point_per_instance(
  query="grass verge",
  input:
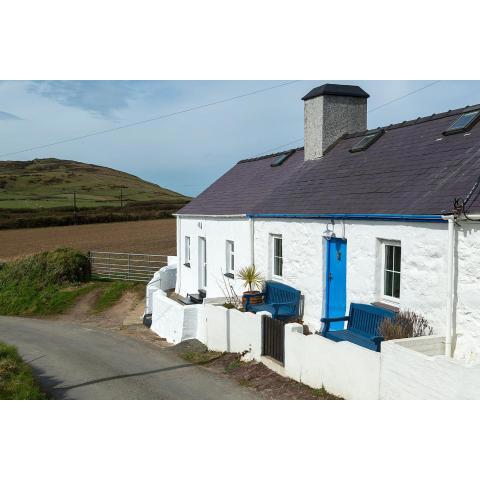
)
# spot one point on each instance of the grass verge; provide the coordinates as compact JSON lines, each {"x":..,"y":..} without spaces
{"x":44,"y":283}
{"x":16,"y":378}
{"x":200,"y":357}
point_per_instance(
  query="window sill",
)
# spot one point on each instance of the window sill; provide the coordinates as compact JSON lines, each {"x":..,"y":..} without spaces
{"x":229,"y":275}
{"x":186,"y":265}
{"x":387,"y":306}
{"x":390,"y":301}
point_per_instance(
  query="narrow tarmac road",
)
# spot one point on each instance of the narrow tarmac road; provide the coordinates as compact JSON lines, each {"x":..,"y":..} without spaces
{"x":77,"y":362}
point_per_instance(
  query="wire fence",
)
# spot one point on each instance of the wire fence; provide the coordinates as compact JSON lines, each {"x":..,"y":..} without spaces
{"x":138,"y":267}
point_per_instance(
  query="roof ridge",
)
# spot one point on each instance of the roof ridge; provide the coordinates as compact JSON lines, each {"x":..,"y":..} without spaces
{"x":274,"y":154}
{"x":408,"y":123}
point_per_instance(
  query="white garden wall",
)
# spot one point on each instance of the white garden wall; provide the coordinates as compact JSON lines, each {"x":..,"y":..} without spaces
{"x":416,"y":369}
{"x":229,"y":330}
{"x":173,"y":321}
{"x":344,"y":369}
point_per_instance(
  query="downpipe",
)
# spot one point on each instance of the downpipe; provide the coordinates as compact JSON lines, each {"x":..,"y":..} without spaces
{"x":450,"y":283}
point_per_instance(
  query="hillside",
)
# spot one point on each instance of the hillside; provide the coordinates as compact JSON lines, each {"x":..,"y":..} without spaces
{"x":49,"y":183}
{"x":47,"y":192}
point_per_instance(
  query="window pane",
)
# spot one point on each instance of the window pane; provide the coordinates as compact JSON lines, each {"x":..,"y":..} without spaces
{"x":388,"y":283}
{"x":398,"y":258}
{"x":232,"y":261}
{"x":396,"y":285}
{"x":464,"y":120}
{"x":388,"y":257}
{"x":278,"y":247}
{"x":280,"y":267}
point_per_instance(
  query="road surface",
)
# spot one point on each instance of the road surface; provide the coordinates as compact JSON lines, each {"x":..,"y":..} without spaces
{"x":78,"y":362}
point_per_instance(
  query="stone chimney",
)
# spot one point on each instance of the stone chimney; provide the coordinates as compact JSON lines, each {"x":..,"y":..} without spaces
{"x":331,"y":111}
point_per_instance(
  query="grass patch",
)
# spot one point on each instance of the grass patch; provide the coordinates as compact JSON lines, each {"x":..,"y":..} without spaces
{"x":112,"y":292}
{"x":16,"y":378}
{"x":233,"y":365}
{"x":201,"y":357}
{"x":44,"y":283}
{"x":323,"y":394}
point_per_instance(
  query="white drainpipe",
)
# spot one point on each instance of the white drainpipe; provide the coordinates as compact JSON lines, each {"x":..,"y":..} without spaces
{"x":450,"y":284}
{"x":252,"y":241}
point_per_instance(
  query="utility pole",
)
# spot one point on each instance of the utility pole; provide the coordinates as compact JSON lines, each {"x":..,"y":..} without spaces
{"x":74,"y":208}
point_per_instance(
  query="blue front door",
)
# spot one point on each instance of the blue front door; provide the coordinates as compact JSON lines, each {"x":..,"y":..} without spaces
{"x":336,"y":280}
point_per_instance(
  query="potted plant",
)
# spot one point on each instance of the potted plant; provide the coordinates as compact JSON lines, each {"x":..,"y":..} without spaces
{"x":253,"y":280}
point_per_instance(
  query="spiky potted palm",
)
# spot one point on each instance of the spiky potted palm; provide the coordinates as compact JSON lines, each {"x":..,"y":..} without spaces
{"x":253,"y":280}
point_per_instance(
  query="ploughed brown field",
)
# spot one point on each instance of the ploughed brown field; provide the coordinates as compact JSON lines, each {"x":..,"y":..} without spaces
{"x":146,"y":236}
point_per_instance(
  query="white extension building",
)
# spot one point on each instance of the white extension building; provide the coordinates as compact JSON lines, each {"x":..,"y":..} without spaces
{"x":384,"y":216}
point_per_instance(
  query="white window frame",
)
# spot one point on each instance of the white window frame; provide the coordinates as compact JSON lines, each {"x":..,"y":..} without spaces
{"x":230,"y":257}
{"x":388,"y":298}
{"x":188,"y":251}
{"x":273,"y":256}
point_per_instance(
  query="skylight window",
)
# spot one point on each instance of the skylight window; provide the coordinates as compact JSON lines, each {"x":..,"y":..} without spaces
{"x":464,"y":123}
{"x":279,"y":160}
{"x":366,"y":141}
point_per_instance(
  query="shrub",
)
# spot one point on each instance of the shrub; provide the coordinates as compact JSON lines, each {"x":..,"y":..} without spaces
{"x":406,"y":324}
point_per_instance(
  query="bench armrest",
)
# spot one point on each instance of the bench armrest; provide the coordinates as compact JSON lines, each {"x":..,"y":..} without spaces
{"x":277,"y":306}
{"x":328,"y":321}
{"x":378,"y":340}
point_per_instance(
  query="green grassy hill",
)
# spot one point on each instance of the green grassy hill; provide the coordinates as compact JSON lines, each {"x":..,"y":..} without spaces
{"x":41,"y":192}
{"x":49,"y":183}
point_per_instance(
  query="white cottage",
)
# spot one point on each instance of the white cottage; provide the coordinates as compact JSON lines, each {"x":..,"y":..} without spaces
{"x":384,"y":216}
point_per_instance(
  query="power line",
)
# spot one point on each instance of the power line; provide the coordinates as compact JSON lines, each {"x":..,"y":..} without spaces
{"x":404,"y":96}
{"x":141,"y":122}
{"x":369,"y":111}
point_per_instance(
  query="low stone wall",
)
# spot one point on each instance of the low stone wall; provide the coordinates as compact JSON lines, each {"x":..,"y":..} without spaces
{"x":343,"y":368}
{"x":233,"y":331}
{"x":413,"y":368}
{"x":416,"y":369}
{"x":173,"y":321}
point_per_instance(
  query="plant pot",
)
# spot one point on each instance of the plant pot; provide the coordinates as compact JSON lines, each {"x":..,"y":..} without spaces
{"x":255,"y":297}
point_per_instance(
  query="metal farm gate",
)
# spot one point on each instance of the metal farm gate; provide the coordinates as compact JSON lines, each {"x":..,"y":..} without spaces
{"x":138,"y":267}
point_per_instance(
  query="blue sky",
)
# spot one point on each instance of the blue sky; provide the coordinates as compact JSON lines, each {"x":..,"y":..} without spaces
{"x":188,"y":151}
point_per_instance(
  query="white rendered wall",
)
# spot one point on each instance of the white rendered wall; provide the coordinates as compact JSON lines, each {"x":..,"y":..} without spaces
{"x":415,"y":369}
{"x":423,"y":277}
{"x":233,"y":331}
{"x":173,"y":321}
{"x":216,"y":231}
{"x":344,"y":369}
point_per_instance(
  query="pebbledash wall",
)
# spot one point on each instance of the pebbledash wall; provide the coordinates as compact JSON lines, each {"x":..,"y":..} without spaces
{"x":423,"y":267}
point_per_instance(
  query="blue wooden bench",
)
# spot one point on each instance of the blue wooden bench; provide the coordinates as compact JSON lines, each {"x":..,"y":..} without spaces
{"x":363,"y":323}
{"x":280,"y":300}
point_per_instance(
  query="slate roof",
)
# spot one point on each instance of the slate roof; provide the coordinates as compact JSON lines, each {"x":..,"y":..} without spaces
{"x":411,"y":169}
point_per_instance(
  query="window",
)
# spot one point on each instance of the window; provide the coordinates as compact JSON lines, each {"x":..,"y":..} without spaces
{"x":279,"y":160}
{"x":187,"y":251}
{"x":230,"y":251}
{"x":391,"y":270}
{"x":277,"y":256}
{"x":366,"y":141}
{"x":464,"y":123}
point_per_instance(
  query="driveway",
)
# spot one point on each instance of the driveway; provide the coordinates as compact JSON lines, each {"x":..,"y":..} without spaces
{"x":77,"y":362}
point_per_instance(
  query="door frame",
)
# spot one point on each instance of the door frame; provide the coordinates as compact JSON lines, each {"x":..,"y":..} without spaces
{"x":202,"y":263}
{"x":328,"y":272}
